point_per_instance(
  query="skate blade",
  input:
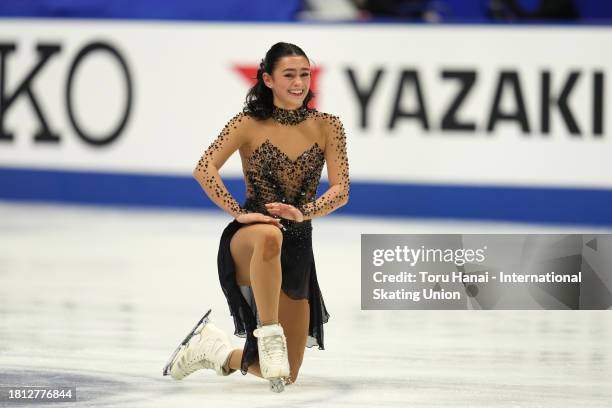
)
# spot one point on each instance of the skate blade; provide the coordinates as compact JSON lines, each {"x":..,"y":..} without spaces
{"x":277,"y":384}
{"x":202,"y":322}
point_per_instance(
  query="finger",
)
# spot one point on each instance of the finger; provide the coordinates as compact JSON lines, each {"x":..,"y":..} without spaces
{"x":277,"y":223}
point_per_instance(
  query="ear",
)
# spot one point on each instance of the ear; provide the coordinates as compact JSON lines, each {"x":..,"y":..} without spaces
{"x":267,"y":78}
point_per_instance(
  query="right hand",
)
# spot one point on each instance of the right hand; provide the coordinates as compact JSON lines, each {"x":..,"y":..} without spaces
{"x":259,"y":217}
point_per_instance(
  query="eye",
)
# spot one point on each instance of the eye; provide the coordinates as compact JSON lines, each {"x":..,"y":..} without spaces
{"x":305,"y":74}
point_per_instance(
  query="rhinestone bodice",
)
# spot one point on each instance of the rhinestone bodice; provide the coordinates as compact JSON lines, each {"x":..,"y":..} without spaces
{"x":282,"y":160}
{"x":272,"y":176}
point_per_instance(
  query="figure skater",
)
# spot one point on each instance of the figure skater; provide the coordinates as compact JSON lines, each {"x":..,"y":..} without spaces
{"x":265,"y":260}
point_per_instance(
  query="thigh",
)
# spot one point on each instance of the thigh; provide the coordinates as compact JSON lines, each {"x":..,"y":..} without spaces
{"x":294,"y":316}
{"x":243,"y":244}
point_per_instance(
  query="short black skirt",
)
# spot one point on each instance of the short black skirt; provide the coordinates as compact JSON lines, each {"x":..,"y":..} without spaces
{"x":299,"y":281}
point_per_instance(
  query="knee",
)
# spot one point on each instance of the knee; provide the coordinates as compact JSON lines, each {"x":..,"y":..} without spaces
{"x":270,"y":241}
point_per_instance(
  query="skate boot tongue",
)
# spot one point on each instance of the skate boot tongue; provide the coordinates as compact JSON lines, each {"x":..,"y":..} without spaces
{"x":269,"y":330}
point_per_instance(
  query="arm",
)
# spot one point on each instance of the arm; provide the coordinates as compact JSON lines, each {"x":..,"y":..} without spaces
{"x":207,"y":170}
{"x":337,"y":172}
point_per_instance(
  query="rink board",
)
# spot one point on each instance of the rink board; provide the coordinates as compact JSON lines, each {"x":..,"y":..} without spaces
{"x":495,"y":203}
{"x":485,"y":122}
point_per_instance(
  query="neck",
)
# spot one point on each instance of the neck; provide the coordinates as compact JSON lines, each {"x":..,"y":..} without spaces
{"x":289,"y":116}
{"x":293,"y":108}
{"x":279,"y":105}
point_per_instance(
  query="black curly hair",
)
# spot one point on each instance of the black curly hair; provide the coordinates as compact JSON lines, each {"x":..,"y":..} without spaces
{"x":259,"y":99}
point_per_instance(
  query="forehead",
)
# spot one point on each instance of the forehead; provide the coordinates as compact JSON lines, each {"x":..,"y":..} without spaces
{"x":297,"y":63}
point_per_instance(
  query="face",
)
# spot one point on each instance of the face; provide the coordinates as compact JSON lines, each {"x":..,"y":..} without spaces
{"x":290,"y":81}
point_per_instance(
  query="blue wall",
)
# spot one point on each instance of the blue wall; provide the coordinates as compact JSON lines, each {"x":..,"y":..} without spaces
{"x":486,"y":203}
{"x":476,"y":9}
{"x":240,"y":10}
{"x":237,"y":10}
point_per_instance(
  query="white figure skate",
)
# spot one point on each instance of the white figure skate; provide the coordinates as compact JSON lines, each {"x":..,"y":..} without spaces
{"x":206,"y":346}
{"x":273,"y":359}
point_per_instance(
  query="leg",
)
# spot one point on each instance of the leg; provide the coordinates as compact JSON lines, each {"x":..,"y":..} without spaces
{"x":235,"y":360}
{"x":256,"y":252}
{"x":294,"y":316}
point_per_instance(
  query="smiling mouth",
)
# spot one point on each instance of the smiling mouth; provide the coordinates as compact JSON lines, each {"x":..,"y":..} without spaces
{"x":297,"y":93}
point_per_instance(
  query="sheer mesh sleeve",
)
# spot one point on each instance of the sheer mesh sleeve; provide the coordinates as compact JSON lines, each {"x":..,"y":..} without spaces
{"x":337,"y":171}
{"x":207,"y":169}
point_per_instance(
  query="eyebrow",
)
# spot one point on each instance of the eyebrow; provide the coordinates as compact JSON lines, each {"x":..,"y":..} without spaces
{"x":293,"y":69}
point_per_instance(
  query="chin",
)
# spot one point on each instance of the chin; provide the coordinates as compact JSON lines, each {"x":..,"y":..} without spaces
{"x":295,"y":105}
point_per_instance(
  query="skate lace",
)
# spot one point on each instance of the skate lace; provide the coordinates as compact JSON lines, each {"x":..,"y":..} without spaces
{"x":273,"y":347}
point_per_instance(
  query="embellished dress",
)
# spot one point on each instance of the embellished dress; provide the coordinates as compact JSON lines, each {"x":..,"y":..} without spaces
{"x":282,"y":160}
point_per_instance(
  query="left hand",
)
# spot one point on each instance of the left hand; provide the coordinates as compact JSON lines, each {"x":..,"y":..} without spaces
{"x":285,"y":211}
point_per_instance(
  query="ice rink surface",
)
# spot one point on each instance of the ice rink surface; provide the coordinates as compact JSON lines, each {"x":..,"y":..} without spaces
{"x":99,"y":298}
